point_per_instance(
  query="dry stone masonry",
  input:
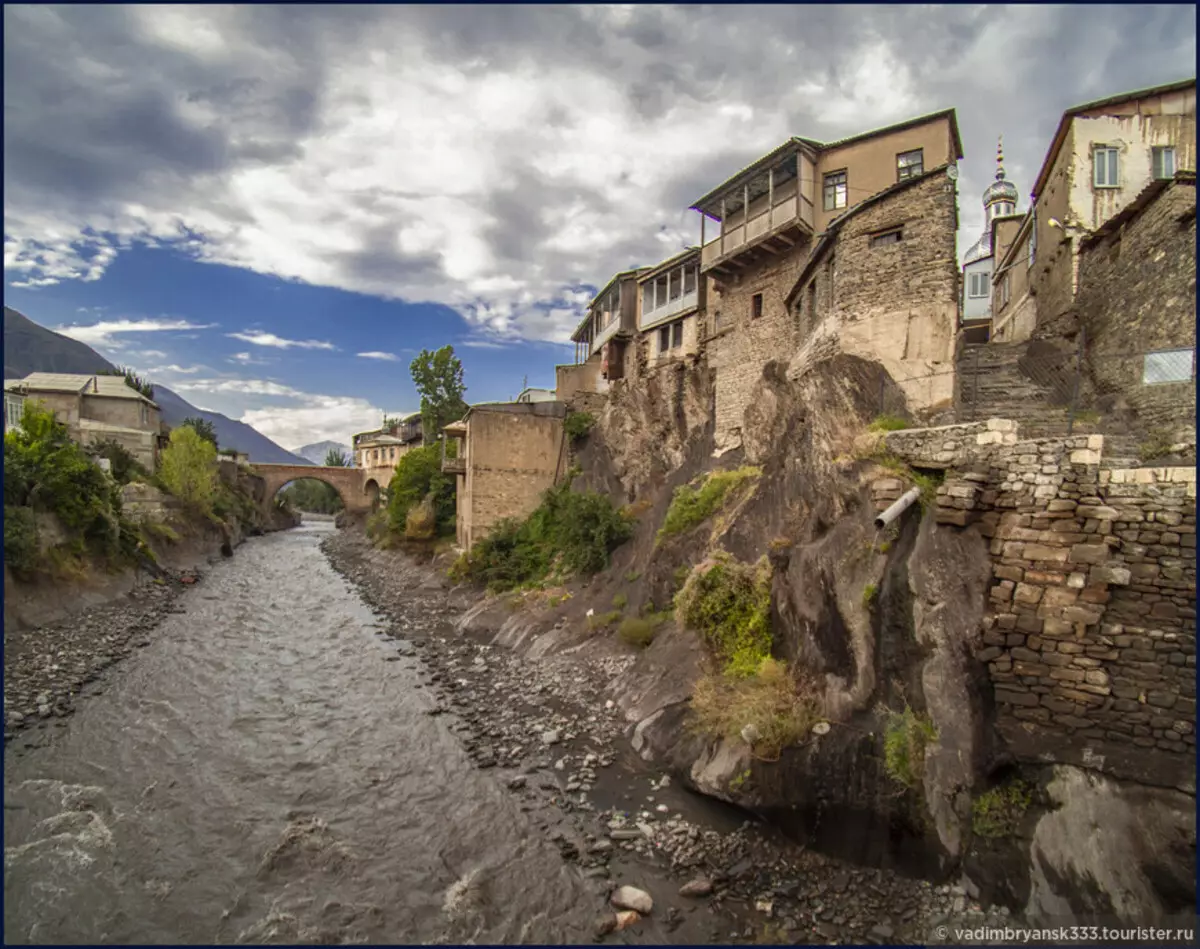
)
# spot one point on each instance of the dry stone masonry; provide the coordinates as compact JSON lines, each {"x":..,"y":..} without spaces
{"x":1090,"y":633}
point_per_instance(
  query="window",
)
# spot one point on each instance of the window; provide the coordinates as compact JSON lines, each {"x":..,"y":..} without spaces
{"x":1163,"y":161}
{"x":647,"y":297}
{"x":756,"y":306}
{"x":1003,"y":291}
{"x":887,"y":237}
{"x":677,"y":335}
{"x":1104,"y":167}
{"x":977,"y":285}
{"x":13,"y":409}
{"x":689,"y":280}
{"x":660,"y":291}
{"x":835,"y":190}
{"x":1172,"y":365}
{"x":910,"y":164}
{"x":144,"y":414}
{"x":676,"y":284}
{"x":664,"y":339}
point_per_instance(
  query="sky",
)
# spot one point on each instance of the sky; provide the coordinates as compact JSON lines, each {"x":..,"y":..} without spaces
{"x":271,"y":209}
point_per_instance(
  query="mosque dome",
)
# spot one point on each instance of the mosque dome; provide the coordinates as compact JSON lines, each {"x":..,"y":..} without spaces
{"x":999,"y":198}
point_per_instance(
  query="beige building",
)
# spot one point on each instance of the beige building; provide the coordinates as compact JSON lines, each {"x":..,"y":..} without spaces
{"x":507,"y":455}
{"x":602,"y":337}
{"x":378,"y":451}
{"x":806,"y":239}
{"x":1103,"y":156}
{"x":670,"y":306}
{"x":95,"y":408}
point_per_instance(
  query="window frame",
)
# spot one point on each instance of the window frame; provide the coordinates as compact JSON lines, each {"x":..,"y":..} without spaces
{"x":664,"y":339}
{"x":881,"y":238}
{"x":982,"y":278}
{"x":904,"y":172}
{"x":1115,"y":153}
{"x":756,"y":305}
{"x":1156,"y":155}
{"x":1168,"y":352}
{"x":677,"y":334}
{"x":844,"y":186}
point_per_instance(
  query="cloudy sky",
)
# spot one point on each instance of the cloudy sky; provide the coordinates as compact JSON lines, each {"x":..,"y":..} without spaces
{"x":269,"y":208}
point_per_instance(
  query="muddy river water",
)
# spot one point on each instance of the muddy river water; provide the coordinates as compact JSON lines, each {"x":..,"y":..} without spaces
{"x":258,"y":774}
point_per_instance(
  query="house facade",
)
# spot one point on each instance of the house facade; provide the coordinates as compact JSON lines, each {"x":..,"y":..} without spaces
{"x":95,"y":408}
{"x":1104,"y":154}
{"x":671,"y":298}
{"x":601,"y":338}
{"x":808,"y":200}
{"x":506,"y":455}
{"x":378,"y":451}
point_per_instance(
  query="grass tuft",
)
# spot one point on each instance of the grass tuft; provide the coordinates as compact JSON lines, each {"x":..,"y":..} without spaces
{"x":693,"y":504}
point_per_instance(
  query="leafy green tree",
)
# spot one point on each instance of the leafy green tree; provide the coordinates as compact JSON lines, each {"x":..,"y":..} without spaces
{"x":438,"y":377}
{"x":336,"y":458}
{"x":202,"y":427}
{"x":418,"y":474}
{"x":189,"y":467}
{"x":132,"y":379}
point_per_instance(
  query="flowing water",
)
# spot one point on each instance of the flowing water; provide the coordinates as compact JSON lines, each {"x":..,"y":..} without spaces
{"x":259,"y":774}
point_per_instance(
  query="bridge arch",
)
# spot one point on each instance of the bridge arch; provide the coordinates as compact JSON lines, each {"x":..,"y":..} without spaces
{"x":347,"y":482}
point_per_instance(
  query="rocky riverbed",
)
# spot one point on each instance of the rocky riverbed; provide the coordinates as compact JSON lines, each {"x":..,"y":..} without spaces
{"x":558,"y":743}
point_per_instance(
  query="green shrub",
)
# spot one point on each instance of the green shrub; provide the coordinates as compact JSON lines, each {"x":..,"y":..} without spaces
{"x":640,"y":631}
{"x":729,"y":604}
{"x":691,"y":505}
{"x":418,"y":475}
{"x":125,"y":467}
{"x":604,"y":620}
{"x":569,"y":533}
{"x":870,"y":594}
{"x":20,"y":540}
{"x":905,"y":738}
{"x":633,"y":576}
{"x":682,"y":572}
{"x":578,"y":424}
{"x":768,"y":699}
{"x":620,"y":601}
{"x":888,"y":423}
{"x":998,"y":812}
{"x":189,"y":468}
{"x":421,"y":523}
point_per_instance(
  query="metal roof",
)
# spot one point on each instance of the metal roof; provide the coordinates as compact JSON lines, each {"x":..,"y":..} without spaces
{"x":109,"y":387}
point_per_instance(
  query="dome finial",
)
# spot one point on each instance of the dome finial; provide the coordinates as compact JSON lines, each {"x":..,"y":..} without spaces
{"x":1000,"y":158}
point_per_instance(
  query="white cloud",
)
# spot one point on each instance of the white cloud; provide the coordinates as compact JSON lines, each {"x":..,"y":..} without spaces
{"x":173,"y":370}
{"x":385,"y":357}
{"x":105,"y":332}
{"x":257,"y":338}
{"x":241,"y":387}
{"x":245,"y":359}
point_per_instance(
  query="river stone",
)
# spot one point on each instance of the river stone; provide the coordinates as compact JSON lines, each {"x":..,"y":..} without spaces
{"x":698,"y":887}
{"x":630,"y":897}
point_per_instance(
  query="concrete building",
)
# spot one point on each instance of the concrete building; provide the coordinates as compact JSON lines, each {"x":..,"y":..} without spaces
{"x":775,"y":217}
{"x":1103,"y":156}
{"x":378,"y":451}
{"x":670,"y":307}
{"x":507,"y":455}
{"x":14,"y":408}
{"x":95,"y":408}
{"x":602,"y":337}
{"x":999,"y":203}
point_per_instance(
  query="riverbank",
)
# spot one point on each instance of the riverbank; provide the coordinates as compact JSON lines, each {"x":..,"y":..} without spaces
{"x":546,"y":725}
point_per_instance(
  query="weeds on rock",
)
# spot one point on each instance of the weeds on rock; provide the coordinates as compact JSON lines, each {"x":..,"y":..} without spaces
{"x":692,"y":504}
{"x":769,"y":701}
{"x":682,"y":572}
{"x":603,"y":620}
{"x":998,"y":812}
{"x":905,"y":739}
{"x":620,"y":601}
{"x":633,"y":576}
{"x":729,"y":603}
{"x":1158,"y":444}
{"x":870,"y":596}
{"x":888,"y":423}
{"x":640,"y":631}
{"x":577,"y":425}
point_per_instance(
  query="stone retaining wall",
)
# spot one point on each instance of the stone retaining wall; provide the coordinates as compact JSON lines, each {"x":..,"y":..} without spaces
{"x":1090,"y":632}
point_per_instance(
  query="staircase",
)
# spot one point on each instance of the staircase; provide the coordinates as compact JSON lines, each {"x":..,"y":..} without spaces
{"x":1000,"y":380}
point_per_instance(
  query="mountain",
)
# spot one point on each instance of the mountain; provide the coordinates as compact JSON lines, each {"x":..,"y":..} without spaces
{"x":32,"y":348}
{"x":317,"y":451}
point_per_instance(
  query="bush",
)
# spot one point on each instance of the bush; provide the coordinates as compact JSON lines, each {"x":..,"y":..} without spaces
{"x":729,"y":603}
{"x":577,"y":424}
{"x":692,"y":505}
{"x":125,"y":467}
{"x":870,"y":595}
{"x":418,"y":475}
{"x":603,"y":620}
{"x":998,"y":812}
{"x":568,"y":534}
{"x":421,"y":523}
{"x":768,"y":699}
{"x":189,"y":468}
{"x":887,"y":423}
{"x":640,"y":631}
{"x":620,"y":601}
{"x":904,"y":742}
{"x":20,"y":540}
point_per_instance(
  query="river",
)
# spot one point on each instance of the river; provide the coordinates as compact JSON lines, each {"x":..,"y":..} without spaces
{"x":257,"y":773}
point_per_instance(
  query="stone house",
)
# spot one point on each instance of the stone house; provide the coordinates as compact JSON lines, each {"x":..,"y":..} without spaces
{"x":775,"y":216}
{"x":670,"y":306}
{"x":602,"y":337}
{"x":97,"y":408}
{"x":1136,"y":305}
{"x":507,"y":455}
{"x":1102,"y":156}
{"x":378,"y":451}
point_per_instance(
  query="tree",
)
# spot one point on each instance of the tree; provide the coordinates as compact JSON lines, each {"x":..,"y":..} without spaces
{"x":438,"y":377}
{"x":418,"y":475}
{"x":336,"y":458}
{"x":132,"y":379}
{"x":201,"y":427}
{"x":189,"y":467}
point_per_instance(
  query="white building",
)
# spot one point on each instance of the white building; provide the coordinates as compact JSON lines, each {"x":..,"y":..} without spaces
{"x":999,"y":200}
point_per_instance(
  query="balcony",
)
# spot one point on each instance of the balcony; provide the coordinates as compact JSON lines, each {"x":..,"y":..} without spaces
{"x":457,"y":466}
{"x":670,"y":308}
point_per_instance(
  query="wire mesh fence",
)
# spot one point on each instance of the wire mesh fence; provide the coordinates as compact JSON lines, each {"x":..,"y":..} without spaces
{"x":1053,"y":389}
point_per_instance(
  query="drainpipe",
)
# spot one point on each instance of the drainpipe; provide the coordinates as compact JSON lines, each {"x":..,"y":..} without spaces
{"x":899,"y":507}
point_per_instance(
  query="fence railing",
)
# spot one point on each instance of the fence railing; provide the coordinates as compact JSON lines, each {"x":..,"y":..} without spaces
{"x":1053,"y":388}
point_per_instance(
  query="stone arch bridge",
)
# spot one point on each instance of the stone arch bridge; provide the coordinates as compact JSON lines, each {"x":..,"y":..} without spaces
{"x":357,"y":491}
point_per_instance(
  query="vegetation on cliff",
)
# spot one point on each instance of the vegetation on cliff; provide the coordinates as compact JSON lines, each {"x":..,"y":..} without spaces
{"x":695,"y":503}
{"x":569,"y":534}
{"x":729,"y":603}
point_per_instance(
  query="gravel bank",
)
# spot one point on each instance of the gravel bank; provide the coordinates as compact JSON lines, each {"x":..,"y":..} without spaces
{"x":548,"y":729}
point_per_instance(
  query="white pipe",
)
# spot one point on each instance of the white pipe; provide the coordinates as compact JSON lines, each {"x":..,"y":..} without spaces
{"x":899,"y":507}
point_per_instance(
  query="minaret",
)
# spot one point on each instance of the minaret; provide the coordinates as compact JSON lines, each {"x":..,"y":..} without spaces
{"x":999,"y":199}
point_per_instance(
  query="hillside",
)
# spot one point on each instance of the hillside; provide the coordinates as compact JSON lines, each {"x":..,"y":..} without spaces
{"x":317,"y":451}
{"x":29,"y":347}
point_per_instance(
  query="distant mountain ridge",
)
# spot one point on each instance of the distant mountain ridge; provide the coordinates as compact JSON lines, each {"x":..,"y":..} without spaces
{"x":317,"y":451}
{"x":32,"y":348}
